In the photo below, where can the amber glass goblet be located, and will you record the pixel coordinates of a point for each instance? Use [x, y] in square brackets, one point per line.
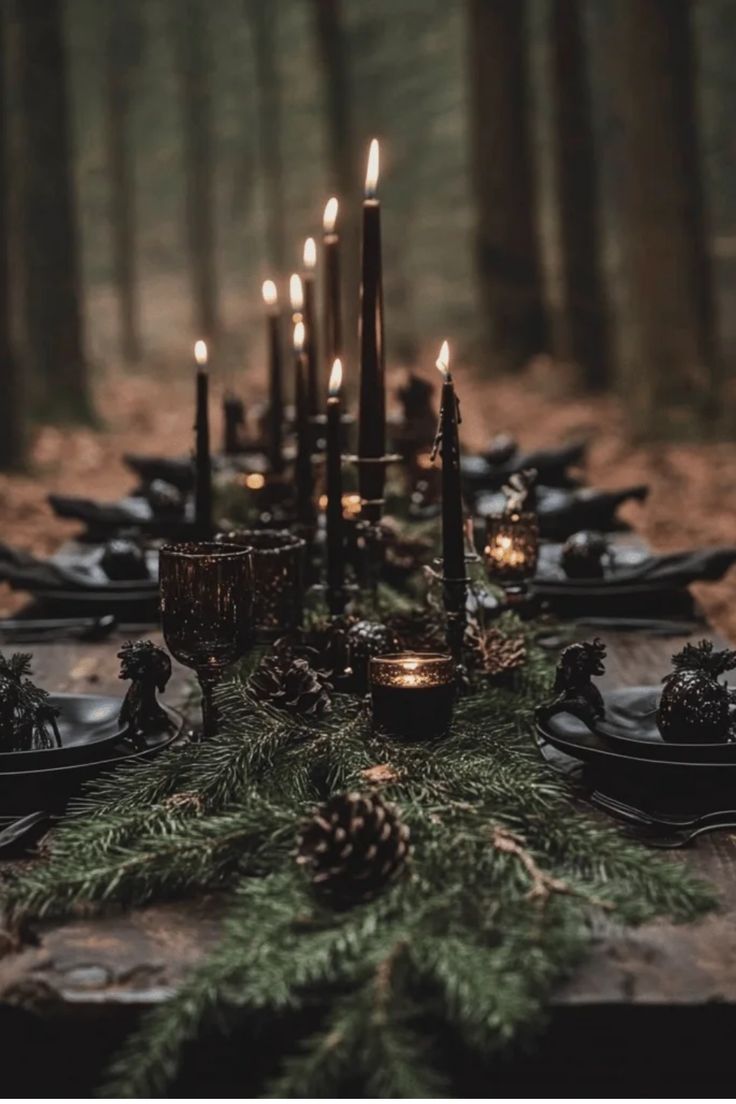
[206, 611]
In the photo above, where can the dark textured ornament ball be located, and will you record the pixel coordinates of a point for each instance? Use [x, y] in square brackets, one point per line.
[694, 707]
[123, 560]
[583, 555]
[366, 639]
[165, 499]
[352, 847]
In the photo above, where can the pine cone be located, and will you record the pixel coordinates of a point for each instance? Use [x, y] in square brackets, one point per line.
[492, 652]
[418, 630]
[287, 681]
[352, 847]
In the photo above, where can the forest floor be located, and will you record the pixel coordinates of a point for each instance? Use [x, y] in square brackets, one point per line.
[692, 500]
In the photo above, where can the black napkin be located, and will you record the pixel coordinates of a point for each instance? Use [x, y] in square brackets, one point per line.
[179, 470]
[673, 570]
[563, 512]
[480, 473]
[105, 518]
[25, 572]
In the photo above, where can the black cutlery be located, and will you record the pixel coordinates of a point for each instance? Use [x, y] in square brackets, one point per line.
[37, 629]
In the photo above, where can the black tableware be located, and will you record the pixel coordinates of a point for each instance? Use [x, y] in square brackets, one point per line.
[88, 730]
[20, 630]
[563, 512]
[206, 610]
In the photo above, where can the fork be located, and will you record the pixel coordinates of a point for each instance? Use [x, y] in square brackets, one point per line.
[681, 837]
[666, 820]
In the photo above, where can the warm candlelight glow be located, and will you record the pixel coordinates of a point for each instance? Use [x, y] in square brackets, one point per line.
[351, 505]
[299, 337]
[200, 353]
[296, 292]
[270, 294]
[335, 379]
[443, 360]
[371, 176]
[255, 481]
[329, 218]
[310, 253]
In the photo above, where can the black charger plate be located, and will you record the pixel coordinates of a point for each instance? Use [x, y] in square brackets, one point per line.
[23, 792]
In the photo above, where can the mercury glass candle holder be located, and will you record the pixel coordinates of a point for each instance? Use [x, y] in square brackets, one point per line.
[512, 547]
[278, 578]
[413, 693]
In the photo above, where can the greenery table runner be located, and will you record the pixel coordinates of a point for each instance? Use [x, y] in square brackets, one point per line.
[496, 906]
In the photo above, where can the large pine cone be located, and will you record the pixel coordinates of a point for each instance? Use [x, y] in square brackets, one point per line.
[287, 681]
[352, 847]
[418, 630]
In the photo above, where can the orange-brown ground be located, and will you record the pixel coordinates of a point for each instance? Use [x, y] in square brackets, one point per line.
[693, 490]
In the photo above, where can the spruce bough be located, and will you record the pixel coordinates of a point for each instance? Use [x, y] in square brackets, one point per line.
[498, 906]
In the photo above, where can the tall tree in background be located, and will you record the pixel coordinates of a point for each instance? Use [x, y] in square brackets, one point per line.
[190, 24]
[51, 293]
[511, 296]
[123, 50]
[263, 22]
[668, 350]
[576, 301]
[11, 402]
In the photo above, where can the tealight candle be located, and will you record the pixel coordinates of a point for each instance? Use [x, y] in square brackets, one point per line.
[412, 693]
[512, 546]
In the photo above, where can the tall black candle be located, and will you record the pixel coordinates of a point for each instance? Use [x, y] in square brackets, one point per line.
[372, 422]
[335, 528]
[303, 473]
[202, 462]
[453, 543]
[332, 304]
[275, 381]
[310, 326]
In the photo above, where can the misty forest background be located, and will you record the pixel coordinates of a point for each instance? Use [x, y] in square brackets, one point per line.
[557, 178]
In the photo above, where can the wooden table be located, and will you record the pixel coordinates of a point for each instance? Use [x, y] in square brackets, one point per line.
[649, 1011]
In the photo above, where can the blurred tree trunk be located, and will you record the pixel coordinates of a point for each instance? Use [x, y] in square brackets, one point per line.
[344, 159]
[576, 301]
[193, 55]
[12, 437]
[51, 293]
[263, 21]
[511, 296]
[669, 373]
[123, 51]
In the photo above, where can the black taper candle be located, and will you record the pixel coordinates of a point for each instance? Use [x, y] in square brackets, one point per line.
[332, 304]
[275, 380]
[311, 342]
[372, 422]
[303, 472]
[335, 524]
[453, 537]
[202, 463]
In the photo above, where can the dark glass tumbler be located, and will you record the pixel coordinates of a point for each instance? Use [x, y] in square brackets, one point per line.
[206, 610]
[278, 578]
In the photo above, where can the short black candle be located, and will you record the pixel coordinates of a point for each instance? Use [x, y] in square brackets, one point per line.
[413, 693]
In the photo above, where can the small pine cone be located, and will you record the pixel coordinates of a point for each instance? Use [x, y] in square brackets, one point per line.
[352, 847]
[288, 682]
[418, 630]
[494, 653]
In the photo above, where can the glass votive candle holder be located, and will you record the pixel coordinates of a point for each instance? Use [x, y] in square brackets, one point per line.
[512, 546]
[277, 558]
[412, 693]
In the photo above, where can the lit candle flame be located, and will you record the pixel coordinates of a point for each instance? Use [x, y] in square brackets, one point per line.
[371, 176]
[335, 378]
[270, 294]
[299, 337]
[310, 253]
[200, 353]
[443, 360]
[329, 218]
[296, 292]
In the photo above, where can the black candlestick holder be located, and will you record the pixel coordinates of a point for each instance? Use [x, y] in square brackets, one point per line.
[371, 535]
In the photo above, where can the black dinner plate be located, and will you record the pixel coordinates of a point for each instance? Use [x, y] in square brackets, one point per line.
[23, 792]
[88, 727]
[572, 736]
[630, 727]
